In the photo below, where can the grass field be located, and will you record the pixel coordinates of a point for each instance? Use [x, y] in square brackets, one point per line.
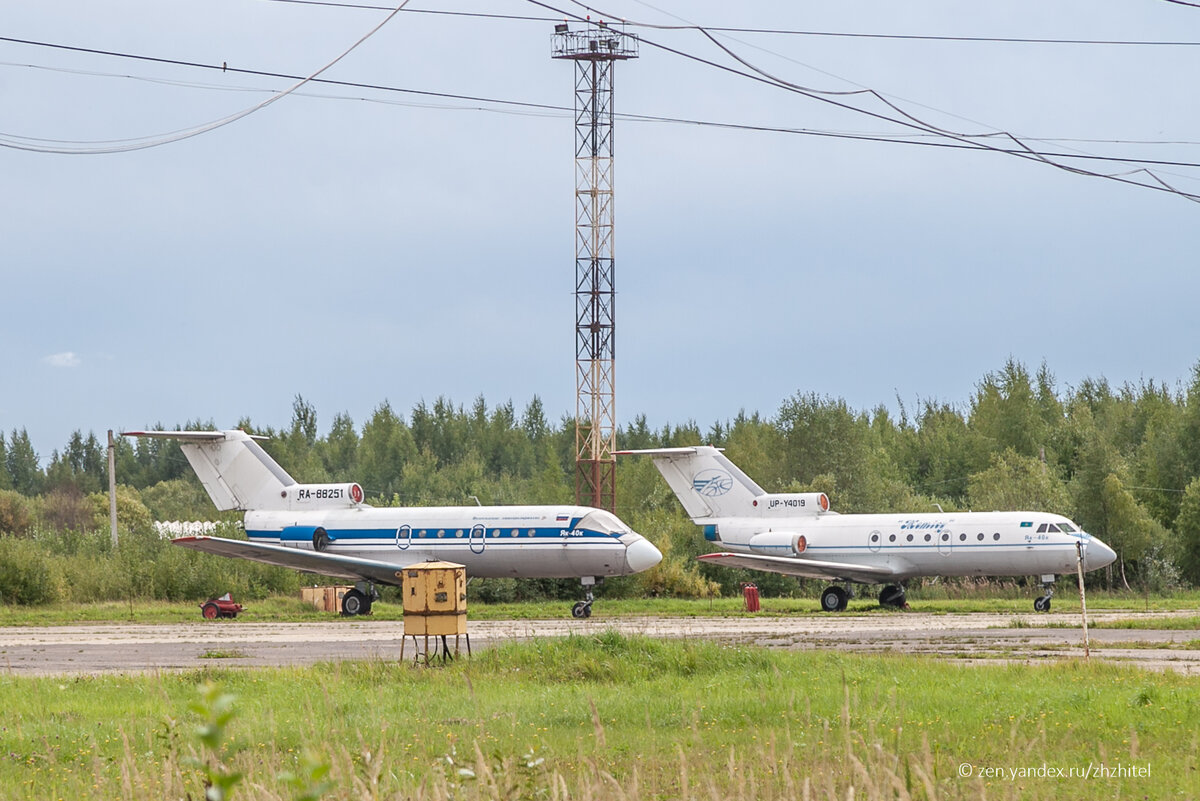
[290, 609]
[609, 716]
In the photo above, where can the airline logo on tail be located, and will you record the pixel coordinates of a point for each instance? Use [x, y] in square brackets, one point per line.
[712, 483]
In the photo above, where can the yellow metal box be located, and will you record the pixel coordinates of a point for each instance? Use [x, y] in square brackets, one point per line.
[435, 598]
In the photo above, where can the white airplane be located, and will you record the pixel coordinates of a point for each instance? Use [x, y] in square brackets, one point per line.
[796, 534]
[327, 529]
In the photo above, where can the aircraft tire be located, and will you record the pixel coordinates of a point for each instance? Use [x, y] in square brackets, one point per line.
[834, 599]
[581, 610]
[892, 595]
[355, 603]
[1041, 604]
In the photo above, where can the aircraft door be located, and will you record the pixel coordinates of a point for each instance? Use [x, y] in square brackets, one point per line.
[478, 541]
[945, 542]
[875, 541]
[403, 537]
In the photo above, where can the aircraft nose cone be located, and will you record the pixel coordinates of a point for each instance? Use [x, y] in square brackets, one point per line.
[1098, 555]
[641, 555]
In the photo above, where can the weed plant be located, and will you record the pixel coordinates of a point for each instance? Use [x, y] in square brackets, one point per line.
[609, 716]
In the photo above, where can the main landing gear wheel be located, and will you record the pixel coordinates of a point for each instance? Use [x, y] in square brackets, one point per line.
[355, 602]
[834, 599]
[582, 609]
[1042, 604]
[893, 595]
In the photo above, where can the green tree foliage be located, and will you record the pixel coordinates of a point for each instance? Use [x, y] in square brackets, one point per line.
[83, 465]
[1007, 412]
[1117, 459]
[1017, 483]
[1187, 530]
[386, 446]
[22, 465]
[5, 479]
[823, 435]
[16, 516]
[179, 499]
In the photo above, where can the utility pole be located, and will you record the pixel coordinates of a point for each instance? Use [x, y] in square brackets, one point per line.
[112, 487]
[595, 49]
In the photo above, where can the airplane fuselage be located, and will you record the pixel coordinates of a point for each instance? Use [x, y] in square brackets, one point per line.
[957, 544]
[490, 541]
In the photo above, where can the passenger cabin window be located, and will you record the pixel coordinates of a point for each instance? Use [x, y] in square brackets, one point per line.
[996, 536]
[962, 537]
[909, 538]
[980, 536]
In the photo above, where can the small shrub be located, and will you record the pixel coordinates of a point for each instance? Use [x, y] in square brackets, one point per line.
[15, 514]
[66, 509]
[27, 575]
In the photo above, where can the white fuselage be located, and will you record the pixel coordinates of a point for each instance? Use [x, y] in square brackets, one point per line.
[491, 541]
[956, 544]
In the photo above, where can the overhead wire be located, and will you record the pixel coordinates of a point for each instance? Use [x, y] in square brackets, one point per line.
[907, 120]
[516, 107]
[922, 129]
[157, 140]
[771, 31]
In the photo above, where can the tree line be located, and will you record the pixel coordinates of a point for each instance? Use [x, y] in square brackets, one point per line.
[1122, 461]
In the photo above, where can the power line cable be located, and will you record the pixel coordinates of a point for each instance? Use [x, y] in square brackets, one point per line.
[157, 140]
[770, 31]
[908, 120]
[523, 108]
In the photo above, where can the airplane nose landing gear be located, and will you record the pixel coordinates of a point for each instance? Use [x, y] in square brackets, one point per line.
[1042, 604]
[583, 609]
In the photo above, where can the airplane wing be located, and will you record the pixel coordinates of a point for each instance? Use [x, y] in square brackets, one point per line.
[348, 567]
[803, 568]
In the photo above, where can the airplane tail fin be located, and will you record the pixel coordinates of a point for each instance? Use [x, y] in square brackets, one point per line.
[234, 469]
[710, 486]
[704, 481]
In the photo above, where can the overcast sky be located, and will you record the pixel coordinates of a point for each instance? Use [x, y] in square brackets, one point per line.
[357, 245]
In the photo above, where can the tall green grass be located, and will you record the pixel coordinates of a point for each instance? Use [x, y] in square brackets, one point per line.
[609, 716]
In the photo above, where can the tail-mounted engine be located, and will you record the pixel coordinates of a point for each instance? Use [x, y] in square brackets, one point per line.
[778, 543]
[791, 504]
[321, 496]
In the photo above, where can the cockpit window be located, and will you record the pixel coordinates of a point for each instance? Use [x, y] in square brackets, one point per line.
[1067, 527]
[1052, 528]
[600, 520]
[1042, 529]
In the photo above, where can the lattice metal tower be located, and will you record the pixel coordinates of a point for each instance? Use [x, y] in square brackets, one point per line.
[595, 50]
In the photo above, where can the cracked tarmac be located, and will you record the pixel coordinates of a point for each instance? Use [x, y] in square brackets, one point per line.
[970, 637]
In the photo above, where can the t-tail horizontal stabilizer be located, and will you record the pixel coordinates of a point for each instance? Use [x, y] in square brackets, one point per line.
[710, 486]
[238, 474]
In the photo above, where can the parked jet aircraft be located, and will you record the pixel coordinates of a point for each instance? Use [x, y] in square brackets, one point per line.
[796, 534]
[327, 529]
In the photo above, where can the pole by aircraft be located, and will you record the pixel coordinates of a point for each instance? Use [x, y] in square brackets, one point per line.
[797, 534]
[327, 529]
